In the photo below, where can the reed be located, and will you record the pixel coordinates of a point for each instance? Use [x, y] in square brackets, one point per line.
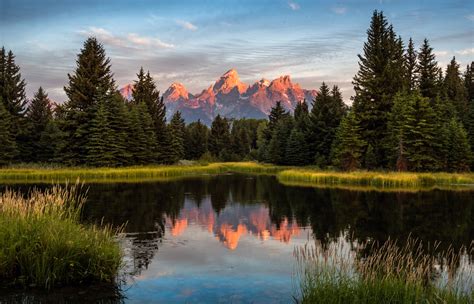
[391, 273]
[43, 244]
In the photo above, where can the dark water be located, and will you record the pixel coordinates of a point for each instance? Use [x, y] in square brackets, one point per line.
[230, 238]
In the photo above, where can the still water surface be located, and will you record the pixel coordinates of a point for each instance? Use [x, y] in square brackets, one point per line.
[230, 238]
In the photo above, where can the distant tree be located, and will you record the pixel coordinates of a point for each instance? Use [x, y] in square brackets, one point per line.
[348, 146]
[428, 71]
[196, 139]
[119, 123]
[177, 130]
[240, 140]
[12, 85]
[276, 114]
[143, 142]
[262, 143]
[99, 144]
[8, 149]
[52, 142]
[326, 115]
[39, 114]
[91, 83]
[219, 138]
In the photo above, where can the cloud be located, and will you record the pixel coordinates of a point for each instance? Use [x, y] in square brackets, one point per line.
[441, 53]
[466, 52]
[131, 40]
[293, 5]
[340, 10]
[187, 25]
[470, 17]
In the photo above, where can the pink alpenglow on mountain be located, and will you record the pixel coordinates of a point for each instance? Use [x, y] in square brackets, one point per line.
[126, 91]
[232, 98]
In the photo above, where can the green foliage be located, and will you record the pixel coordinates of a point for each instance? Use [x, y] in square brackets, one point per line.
[459, 156]
[455, 90]
[196, 138]
[45, 245]
[296, 148]
[348, 145]
[90, 84]
[39, 115]
[326, 115]
[177, 132]
[142, 144]
[428, 71]
[219, 138]
[12, 86]
[411, 67]
[8, 149]
[278, 144]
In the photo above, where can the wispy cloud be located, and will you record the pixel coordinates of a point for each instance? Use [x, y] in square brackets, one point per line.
[131, 40]
[466, 52]
[340, 10]
[470, 17]
[441, 53]
[293, 5]
[187, 25]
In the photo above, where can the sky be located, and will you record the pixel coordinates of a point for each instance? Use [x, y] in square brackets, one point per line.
[194, 42]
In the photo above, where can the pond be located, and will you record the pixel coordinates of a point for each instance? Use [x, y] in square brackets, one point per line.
[230, 238]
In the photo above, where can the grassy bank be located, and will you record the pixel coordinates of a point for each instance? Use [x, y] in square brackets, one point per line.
[132, 174]
[391, 180]
[43, 245]
[390, 274]
[287, 175]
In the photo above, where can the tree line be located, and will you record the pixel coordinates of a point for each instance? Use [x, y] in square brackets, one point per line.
[407, 114]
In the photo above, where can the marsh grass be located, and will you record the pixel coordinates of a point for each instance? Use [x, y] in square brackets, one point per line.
[44, 245]
[363, 180]
[390, 273]
[375, 179]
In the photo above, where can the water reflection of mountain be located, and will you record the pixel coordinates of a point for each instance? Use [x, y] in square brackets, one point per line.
[232, 222]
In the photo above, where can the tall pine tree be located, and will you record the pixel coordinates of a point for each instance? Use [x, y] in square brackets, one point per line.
[428, 71]
[177, 130]
[39, 114]
[8, 149]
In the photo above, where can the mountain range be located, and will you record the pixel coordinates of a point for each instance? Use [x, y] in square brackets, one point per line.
[232, 98]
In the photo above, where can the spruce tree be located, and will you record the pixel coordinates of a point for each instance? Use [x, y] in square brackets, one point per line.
[144, 90]
[219, 138]
[177, 129]
[459, 156]
[277, 146]
[8, 149]
[39, 114]
[92, 82]
[380, 77]
[52, 143]
[348, 146]
[428, 71]
[411, 67]
[12, 85]
[142, 144]
[196, 140]
[296, 148]
[326, 115]
[99, 142]
[119, 123]
[455, 90]
[469, 86]
[276, 114]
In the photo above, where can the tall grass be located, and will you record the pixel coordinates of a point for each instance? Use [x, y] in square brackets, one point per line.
[389, 274]
[43, 244]
[286, 175]
[375, 179]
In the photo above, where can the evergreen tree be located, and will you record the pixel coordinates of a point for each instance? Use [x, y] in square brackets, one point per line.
[459, 156]
[39, 114]
[297, 148]
[12, 86]
[380, 77]
[92, 82]
[411, 67]
[428, 71]
[8, 149]
[262, 143]
[142, 142]
[455, 90]
[326, 115]
[52, 142]
[119, 123]
[469, 85]
[177, 129]
[99, 144]
[348, 146]
[144, 90]
[219, 138]
[277, 146]
[196, 140]
[276, 114]
[240, 140]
